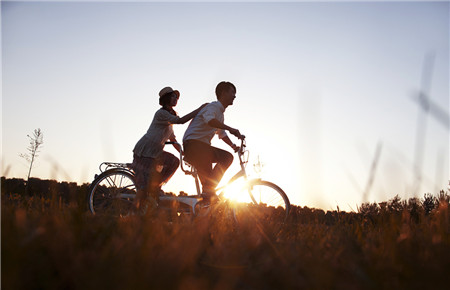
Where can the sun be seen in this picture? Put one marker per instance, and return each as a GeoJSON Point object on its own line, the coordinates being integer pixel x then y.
{"type": "Point", "coordinates": [237, 192]}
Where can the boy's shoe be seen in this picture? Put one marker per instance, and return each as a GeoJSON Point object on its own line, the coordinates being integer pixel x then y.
{"type": "Point", "coordinates": [209, 197]}
{"type": "Point", "coordinates": [134, 211]}
{"type": "Point", "coordinates": [158, 192]}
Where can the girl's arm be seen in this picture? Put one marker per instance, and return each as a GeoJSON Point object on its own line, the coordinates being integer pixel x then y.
{"type": "Point", "coordinates": [177, 146]}
{"type": "Point", "coordinates": [191, 115]}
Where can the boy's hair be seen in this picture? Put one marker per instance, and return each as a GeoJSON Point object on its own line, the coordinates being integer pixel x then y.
{"type": "Point", "coordinates": [223, 86]}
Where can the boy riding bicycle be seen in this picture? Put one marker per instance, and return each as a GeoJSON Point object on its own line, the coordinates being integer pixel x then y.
{"type": "Point", "coordinates": [197, 140]}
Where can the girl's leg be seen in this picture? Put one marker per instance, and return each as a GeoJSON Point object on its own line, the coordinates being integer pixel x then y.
{"type": "Point", "coordinates": [170, 165]}
{"type": "Point", "coordinates": [143, 168]}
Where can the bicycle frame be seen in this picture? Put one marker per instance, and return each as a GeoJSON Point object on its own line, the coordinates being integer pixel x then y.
{"type": "Point", "coordinates": [188, 169]}
{"type": "Point", "coordinates": [242, 162]}
{"type": "Point", "coordinates": [190, 203]}
{"type": "Point", "coordinates": [193, 172]}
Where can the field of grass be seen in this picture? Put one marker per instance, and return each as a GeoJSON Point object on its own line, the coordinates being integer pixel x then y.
{"type": "Point", "coordinates": [50, 243]}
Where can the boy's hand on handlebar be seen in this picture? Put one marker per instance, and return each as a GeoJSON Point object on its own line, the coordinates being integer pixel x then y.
{"type": "Point", "coordinates": [235, 148]}
{"type": "Point", "coordinates": [236, 133]}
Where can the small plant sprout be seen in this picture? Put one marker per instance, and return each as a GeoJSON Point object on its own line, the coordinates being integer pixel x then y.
{"type": "Point", "coordinates": [33, 149]}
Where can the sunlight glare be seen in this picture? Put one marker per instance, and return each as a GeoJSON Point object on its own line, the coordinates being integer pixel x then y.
{"type": "Point", "coordinates": [236, 191]}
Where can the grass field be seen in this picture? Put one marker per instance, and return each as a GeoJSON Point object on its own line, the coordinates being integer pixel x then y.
{"type": "Point", "coordinates": [48, 243]}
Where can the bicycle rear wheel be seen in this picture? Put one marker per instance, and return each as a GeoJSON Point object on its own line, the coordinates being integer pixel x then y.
{"type": "Point", "coordinates": [112, 192]}
{"type": "Point", "coordinates": [267, 201]}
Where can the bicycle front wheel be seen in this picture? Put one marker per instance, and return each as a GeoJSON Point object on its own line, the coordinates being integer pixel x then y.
{"type": "Point", "coordinates": [266, 201]}
{"type": "Point", "coordinates": [112, 193]}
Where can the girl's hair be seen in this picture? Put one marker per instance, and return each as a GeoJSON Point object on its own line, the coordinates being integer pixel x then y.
{"type": "Point", "coordinates": [223, 86]}
{"type": "Point", "coordinates": [165, 99]}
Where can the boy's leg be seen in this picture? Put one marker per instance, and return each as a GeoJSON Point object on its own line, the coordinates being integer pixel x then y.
{"type": "Point", "coordinates": [202, 156]}
{"type": "Point", "coordinates": [199, 155]}
{"type": "Point", "coordinates": [223, 160]}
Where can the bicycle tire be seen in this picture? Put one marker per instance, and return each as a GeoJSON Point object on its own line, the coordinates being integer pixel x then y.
{"type": "Point", "coordinates": [112, 192]}
{"type": "Point", "coordinates": [267, 200]}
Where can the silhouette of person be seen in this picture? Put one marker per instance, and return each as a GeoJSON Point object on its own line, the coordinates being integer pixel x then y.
{"type": "Point", "coordinates": [197, 140]}
{"type": "Point", "coordinates": [148, 153]}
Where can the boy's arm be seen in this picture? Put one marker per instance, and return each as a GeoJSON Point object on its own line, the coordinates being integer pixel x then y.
{"type": "Point", "coordinates": [219, 125]}
{"type": "Point", "coordinates": [227, 140]}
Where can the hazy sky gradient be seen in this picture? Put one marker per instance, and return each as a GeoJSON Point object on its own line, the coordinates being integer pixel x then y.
{"type": "Point", "coordinates": [319, 87]}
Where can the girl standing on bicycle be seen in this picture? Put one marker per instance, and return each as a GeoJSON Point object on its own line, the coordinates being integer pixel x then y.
{"type": "Point", "coordinates": [148, 154]}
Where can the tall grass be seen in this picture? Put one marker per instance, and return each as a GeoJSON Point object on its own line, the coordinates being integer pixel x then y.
{"type": "Point", "coordinates": [51, 244]}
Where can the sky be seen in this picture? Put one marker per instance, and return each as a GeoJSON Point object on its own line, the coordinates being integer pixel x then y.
{"type": "Point", "coordinates": [327, 92]}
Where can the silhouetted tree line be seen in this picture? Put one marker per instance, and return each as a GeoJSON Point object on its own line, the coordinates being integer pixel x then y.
{"type": "Point", "coordinates": [368, 213]}
{"type": "Point", "coordinates": [306, 215]}
{"type": "Point", "coordinates": [375, 213]}
{"type": "Point", "coordinates": [44, 188]}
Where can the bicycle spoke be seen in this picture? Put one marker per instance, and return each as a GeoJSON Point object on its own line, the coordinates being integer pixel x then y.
{"type": "Point", "coordinates": [265, 197]}
{"type": "Point", "coordinates": [112, 192]}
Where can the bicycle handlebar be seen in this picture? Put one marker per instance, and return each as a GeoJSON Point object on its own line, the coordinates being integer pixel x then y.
{"type": "Point", "coordinates": [241, 148]}
{"type": "Point", "coordinates": [240, 151]}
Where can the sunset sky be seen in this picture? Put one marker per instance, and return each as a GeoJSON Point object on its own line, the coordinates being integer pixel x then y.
{"type": "Point", "coordinates": [323, 89]}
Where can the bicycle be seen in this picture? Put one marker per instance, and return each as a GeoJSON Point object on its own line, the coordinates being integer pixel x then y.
{"type": "Point", "coordinates": [113, 191]}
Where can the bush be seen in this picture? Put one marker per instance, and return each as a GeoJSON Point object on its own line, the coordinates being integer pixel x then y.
{"type": "Point", "coordinates": [49, 243]}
